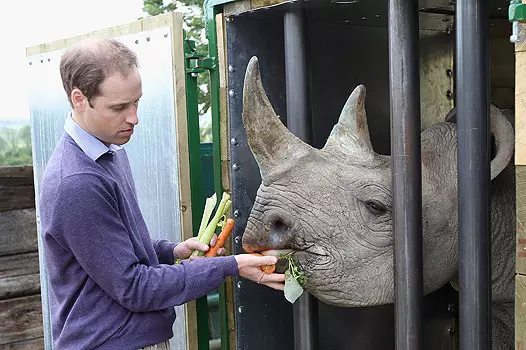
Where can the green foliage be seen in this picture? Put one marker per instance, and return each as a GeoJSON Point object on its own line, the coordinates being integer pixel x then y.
{"type": "Point", "coordinates": [194, 26]}
{"type": "Point", "coordinates": [15, 146]}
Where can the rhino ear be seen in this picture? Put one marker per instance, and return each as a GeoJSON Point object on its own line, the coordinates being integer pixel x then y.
{"type": "Point", "coordinates": [504, 134]}
{"type": "Point", "coordinates": [351, 135]}
{"type": "Point", "coordinates": [272, 144]}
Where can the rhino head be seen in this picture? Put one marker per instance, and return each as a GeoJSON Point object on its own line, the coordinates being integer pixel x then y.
{"type": "Point", "coordinates": [332, 206]}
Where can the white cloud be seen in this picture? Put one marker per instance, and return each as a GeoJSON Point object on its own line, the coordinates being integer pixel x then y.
{"type": "Point", "coordinates": [32, 22]}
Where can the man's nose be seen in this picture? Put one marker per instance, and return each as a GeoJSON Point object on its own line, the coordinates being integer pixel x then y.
{"type": "Point", "coordinates": [132, 117]}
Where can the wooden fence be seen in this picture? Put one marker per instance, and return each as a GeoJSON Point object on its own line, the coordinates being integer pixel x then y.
{"type": "Point", "coordinates": [21, 324]}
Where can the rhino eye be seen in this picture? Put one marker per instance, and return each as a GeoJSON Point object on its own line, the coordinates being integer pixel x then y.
{"type": "Point", "coordinates": [375, 207]}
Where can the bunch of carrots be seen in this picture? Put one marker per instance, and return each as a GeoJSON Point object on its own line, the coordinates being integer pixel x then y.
{"type": "Point", "coordinates": [207, 228]}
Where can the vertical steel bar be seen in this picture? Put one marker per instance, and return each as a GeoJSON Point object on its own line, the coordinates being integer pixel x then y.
{"type": "Point", "coordinates": [472, 73]}
{"type": "Point", "coordinates": [305, 308]}
{"type": "Point", "coordinates": [404, 68]}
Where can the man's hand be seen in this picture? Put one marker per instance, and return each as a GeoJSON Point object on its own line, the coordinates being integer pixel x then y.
{"type": "Point", "coordinates": [184, 249]}
{"type": "Point", "coordinates": [249, 267]}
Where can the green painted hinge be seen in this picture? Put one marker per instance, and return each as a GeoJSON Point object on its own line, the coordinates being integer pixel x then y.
{"type": "Point", "coordinates": [517, 11]}
{"type": "Point", "coordinates": [197, 62]}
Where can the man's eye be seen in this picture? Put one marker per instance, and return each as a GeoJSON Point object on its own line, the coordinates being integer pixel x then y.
{"type": "Point", "coordinates": [118, 108]}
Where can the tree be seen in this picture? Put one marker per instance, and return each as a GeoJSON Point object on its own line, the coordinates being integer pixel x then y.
{"type": "Point", "coordinates": [15, 146]}
{"type": "Point", "coordinates": [195, 29]}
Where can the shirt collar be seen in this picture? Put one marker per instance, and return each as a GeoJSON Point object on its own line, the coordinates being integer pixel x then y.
{"type": "Point", "coordinates": [89, 144]}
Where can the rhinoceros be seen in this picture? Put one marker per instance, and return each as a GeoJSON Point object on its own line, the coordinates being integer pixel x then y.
{"type": "Point", "coordinates": [332, 206]}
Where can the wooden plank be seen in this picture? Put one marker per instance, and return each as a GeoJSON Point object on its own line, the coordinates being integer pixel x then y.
{"type": "Point", "coordinates": [181, 123]}
{"type": "Point", "coordinates": [18, 265]}
{"type": "Point", "coordinates": [16, 188]}
{"type": "Point", "coordinates": [32, 344]}
{"type": "Point", "coordinates": [19, 286]}
{"type": "Point", "coordinates": [223, 103]}
{"type": "Point", "coordinates": [18, 232]}
{"type": "Point", "coordinates": [17, 197]}
{"type": "Point", "coordinates": [19, 275]}
{"type": "Point", "coordinates": [24, 174]}
{"type": "Point", "coordinates": [232, 8]}
{"type": "Point", "coordinates": [21, 319]}
{"type": "Point", "coordinates": [520, 312]}
{"type": "Point", "coordinates": [520, 98]}
{"type": "Point", "coordinates": [520, 184]}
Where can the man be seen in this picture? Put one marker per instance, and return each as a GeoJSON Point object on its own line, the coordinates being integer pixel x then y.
{"type": "Point", "coordinates": [110, 285]}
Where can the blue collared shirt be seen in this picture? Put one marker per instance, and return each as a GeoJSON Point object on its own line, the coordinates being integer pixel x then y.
{"type": "Point", "coordinates": [89, 144]}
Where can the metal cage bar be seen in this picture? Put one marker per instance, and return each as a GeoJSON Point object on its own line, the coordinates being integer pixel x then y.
{"type": "Point", "coordinates": [404, 64]}
{"type": "Point", "coordinates": [473, 173]}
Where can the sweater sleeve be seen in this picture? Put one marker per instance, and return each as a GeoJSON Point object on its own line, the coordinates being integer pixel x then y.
{"type": "Point", "coordinates": [164, 250]}
{"type": "Point", "coordinates": [86, 221]}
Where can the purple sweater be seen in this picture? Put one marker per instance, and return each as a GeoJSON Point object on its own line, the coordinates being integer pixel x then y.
{"type": "Point", "coordinates": [110, 285]}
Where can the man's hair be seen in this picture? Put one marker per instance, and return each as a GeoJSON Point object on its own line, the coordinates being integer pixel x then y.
{"type": "Point", "coordinates": [86, 65]}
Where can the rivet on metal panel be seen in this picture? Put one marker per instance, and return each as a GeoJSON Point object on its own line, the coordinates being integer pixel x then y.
{"type": "Point", "coordinates": [449, 72]}
{"type": "Point", "coordinates": [237, 213]}
{"type": "Point", "coordinates": [183, 208]}
{"type": "Point", "coordinates": [235, 167]}
{"type": "Point", "coordinates": [451, 331]}
{"type": "Point", "coordinates": [148, 39]}
{"type": "Point", "coordinates": [449, 94]}
{"type": "Point", "coordinates": [451, 308]}
{"type": "Point", "coordinates": [239, 284]}
{"type": "Point", "coordinates": [234, 141]}
{"type": "Point", "coordinates": [166, 35]}
{"type": "Point", "coordinates": [378, 15]}
{"type": "Point", "coordinates": [240, 309]}
{"type": "Point", "coordinates": [193, 75]}
{"type": "Point", "coordinates": [231, 93]}
{"type": "Point", "coordinates": [49, 59]}
{"type": "Point", "coordinates": [137, 41]}
{"type": "Point", "coordinates": [229, 19]}
{"type": "Point", "coordinates": [231, 68]}
{"type": "Point", "coordinates": [41, 61]}
{"type": "Point", "coordinates": [238, 239]}
{"type": "Point", "coordinates": [445, 19]}
{"type": "Point", "coordinates": [347, 21]}
{"type": "Point", "coordinates": [364, 18]}
{"type": "Point", "coordinates": [30, 63]}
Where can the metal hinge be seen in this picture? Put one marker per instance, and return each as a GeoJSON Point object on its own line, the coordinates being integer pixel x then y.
{"type": "Point", "coordinates": [517, 11]}
{"type": "Point", "coordinates": [197, 62]}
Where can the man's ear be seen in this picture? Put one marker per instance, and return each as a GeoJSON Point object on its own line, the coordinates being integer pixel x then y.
{"type": "Point", "coordinates": [78, 100]}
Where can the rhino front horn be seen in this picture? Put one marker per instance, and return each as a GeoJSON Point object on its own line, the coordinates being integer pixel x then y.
{"type": "Point", "coordinates": [272, 144]}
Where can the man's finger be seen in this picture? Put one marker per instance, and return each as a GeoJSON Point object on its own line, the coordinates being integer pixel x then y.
{"type": "Point", "coordinates": [195, 257]}
{"type": "Point", "coordinates": [275, 277]}
{"type": "Point", "coordinates": [269, 260]}
{"type": "Point", "coordinates": [213, 241]}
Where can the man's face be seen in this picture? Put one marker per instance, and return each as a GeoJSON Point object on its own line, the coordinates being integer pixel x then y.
{"type": "Point", "coordinates": [113, 114]}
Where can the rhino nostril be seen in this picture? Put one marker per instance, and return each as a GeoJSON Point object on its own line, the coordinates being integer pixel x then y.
{"type": "Point", "coordinates": [278, 227]}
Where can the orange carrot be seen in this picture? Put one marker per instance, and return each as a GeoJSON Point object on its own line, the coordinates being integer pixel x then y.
{"type": "Point", "coordinates": [268, 269]}
{"type": "Point", "coordinates": [225, 233]}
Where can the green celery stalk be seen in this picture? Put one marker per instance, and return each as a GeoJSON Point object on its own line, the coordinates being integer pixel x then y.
{"type": "Point", "coordinates": [207, 234]}
{"type": "Point", "coordinates": [209, 207]}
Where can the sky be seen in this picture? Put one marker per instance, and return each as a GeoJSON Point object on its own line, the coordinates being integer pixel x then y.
{"type": "Point", "coordinates": [32, 22]}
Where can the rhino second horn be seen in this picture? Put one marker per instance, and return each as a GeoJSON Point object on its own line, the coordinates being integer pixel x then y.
{"type": "Point", "coordinates": [350, 136]}
{"type": "Point", "coordinates": [272, 144]}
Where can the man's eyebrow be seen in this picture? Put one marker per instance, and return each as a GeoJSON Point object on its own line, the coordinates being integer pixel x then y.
{"type": "Point", "coordinates": [120, 103]}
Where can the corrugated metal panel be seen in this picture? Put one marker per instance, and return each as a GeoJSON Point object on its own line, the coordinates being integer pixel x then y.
{"type": "Point", "coordinates": [152, 150]}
